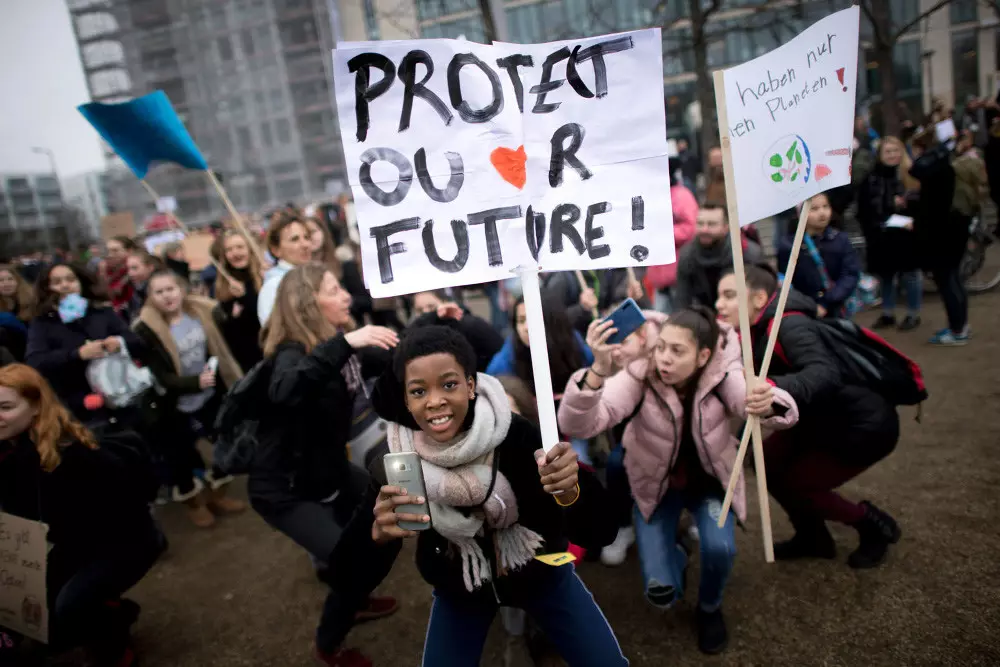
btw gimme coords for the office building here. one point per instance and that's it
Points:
(88, 194)
(250, 79)
(31, 214)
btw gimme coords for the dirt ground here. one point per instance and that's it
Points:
(243, 595)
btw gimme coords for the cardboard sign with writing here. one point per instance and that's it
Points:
(23, 565)
(117, 224)
(468, 161)
(791, 117)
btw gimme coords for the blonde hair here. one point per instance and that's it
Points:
(903, 169)
(327, 253)
(296, 316)
(222, 292)
(53, 427)
(25, 296)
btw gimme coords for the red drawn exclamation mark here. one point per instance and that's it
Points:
(840, 77)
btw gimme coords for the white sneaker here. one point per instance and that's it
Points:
(614, 554)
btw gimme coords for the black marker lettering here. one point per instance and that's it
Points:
(364, 92)
(455, 181)
(461, 233)
(547, 85)
(638, 214)
(639, 253)
(455, 89)
(592, 232)
(385, 249)
(511, 63)
(596, 53)
(534, 230)
(564, 216)
(489, 220)
(399, 161)
(566, 154)
(411, 89)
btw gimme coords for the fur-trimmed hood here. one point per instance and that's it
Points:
(200, 308)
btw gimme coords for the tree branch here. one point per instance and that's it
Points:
(880, 37)
(906, 28)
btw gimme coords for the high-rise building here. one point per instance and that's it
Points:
(249, 78)
(32, 214)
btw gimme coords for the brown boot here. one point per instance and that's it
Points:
(218, 501)
(196, 501)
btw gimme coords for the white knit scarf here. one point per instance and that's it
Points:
(458, 474)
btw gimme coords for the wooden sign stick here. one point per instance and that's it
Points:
(254, 247)
(583, 288)
(736, 241)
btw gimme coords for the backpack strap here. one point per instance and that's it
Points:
(778, 350)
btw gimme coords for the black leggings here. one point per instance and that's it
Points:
(318, 527)
(177, 443)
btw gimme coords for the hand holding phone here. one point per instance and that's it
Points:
(402, 507)
(627, 319)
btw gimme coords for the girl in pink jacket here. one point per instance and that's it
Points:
(680, 450)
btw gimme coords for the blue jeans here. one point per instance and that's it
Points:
(912, 282)
(619, 490)
(664, 560)
(566, 613)
(955, 298)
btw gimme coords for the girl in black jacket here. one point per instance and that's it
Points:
(181, 335)
(238, 297)
(102, 538)
(491, 515)
(73, 328)
(302, 483)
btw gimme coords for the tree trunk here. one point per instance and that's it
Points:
(884, 41)
(703, 81)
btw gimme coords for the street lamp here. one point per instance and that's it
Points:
(55, 172)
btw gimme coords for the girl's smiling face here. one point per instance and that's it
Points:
(438, 393)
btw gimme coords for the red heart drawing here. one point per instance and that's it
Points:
(510, 165)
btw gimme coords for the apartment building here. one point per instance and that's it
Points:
(250, 79)
(31, 214)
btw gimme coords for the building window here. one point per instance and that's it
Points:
(965, 65)
(903, 11)
(248, 49)
(283, 130)
(962, 11)
(245, 139)
(277, 100)
(225, 49)
(289, 189)
(266, 135)
(433, 9)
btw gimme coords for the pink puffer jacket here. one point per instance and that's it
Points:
(651, 438)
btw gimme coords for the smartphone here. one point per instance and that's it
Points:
(404, 470)
(627, 319)
(213, 364)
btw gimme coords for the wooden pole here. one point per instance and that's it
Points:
(240, 224)
(736, 241)
(633, 280)
(584, 287)
(184, 228)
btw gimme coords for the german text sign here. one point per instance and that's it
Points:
(791, 117)
(23, 561)
(469, 161)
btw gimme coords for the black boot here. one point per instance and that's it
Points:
(876, 532)
(712, 634)
(811, 540)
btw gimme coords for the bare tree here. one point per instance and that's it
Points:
(884, 39)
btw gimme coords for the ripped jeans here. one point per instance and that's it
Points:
(664, 560)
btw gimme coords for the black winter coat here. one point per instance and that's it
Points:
(803, 367)
(888, 250)
(312, 408)
(53, 351)
(587, 523)
(940, 235)
(485, 340)
(242, 332)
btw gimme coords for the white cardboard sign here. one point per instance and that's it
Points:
(23, 566)
(791, 117)
(468, 161)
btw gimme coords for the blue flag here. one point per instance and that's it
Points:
(143, 131)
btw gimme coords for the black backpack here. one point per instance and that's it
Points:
(239, 425)
(868, 360)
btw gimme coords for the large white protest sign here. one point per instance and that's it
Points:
(23, 565)
(791, 117)
(469, 161)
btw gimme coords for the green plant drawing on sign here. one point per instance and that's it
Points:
(789, 166)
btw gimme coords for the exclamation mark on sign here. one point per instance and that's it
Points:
(840, 77)
(639, 252)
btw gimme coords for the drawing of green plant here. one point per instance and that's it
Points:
(788, 166)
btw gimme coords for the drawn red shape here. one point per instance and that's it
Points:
(840, 77)
(822, 171)
(510, 165)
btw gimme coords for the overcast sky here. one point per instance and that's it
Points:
(41, 82)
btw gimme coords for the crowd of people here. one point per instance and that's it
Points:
(280, 350)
